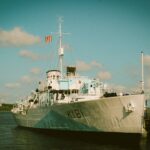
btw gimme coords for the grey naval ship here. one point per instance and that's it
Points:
(77, 103)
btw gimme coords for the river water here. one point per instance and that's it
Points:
(15, 138)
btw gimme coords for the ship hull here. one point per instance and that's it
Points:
(102, 115)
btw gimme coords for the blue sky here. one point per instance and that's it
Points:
(105, 41)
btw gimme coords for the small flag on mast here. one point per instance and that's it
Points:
(48, 39)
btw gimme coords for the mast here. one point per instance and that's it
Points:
(60, 50)
(142, 73)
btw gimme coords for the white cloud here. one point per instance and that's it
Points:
(147, 83)
(34, 56)
(67, 47)
(104, 75)
(17, 37)
(26, 79)
(83, 66)
(29, 54)
(4, 96)
(147, 71)
(35, 70)
(12, 85)
(147, 60)
(96, 64)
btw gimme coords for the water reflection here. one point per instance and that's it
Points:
(15, 138)
(31, 139)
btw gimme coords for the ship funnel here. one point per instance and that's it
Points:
(71, 71)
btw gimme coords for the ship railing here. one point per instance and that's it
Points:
(77, 98)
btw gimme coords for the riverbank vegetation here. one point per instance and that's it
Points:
(6, 107)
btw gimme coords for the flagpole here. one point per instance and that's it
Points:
(142, 73)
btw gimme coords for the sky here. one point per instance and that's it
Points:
(105, 41)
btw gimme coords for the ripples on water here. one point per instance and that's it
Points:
(15, 138)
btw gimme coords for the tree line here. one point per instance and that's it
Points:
(6, 107)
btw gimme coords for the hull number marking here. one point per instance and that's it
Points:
(76, 113)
